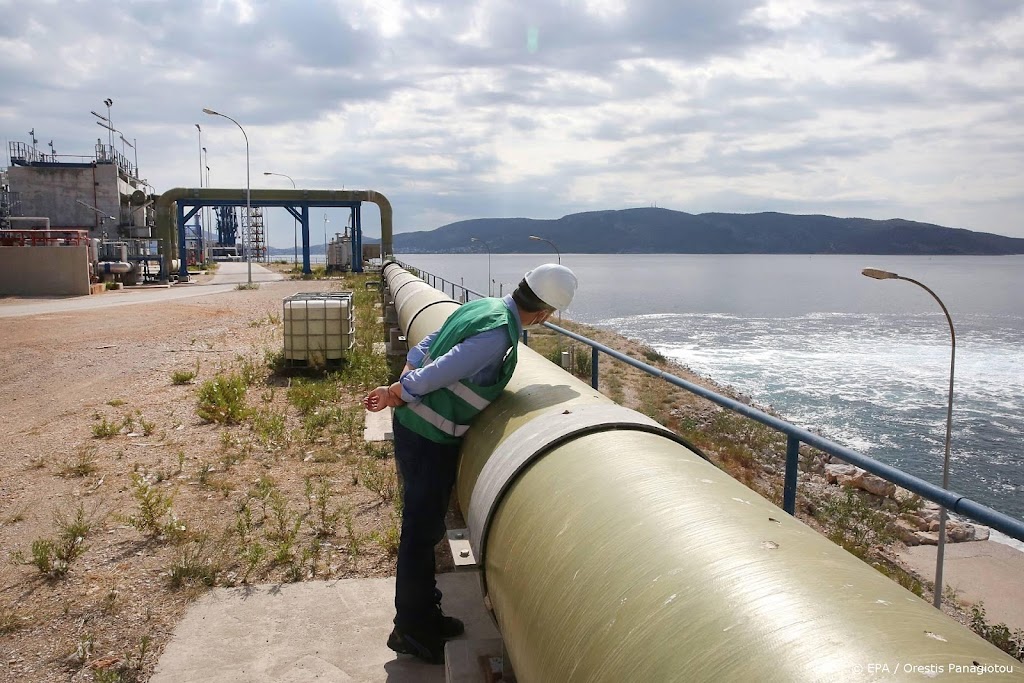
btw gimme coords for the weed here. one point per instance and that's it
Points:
(9, 621)
(248, 370)
(389, 537)
(582, 362)
(269, 427)
(252, 555)
(204, 474)
(314, 423)
(129, 669)
(105, 430)
(16, 516)
(324, 520)
(53, 558)
(222, 399)
(147, 426)
(653, 356)
(354, 539)
(128, 424)
(194, 564)
(379, 477)
(308, 395)
(250, 285)
(180, 377)
(109, 604)
(82, 464)
(153, 505)
(274, 360)
(115, 402)
(1010, 641)
(363, 368)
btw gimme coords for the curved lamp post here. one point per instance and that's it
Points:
(878, 274)
(248, 198)
(325, 241)
(558, 254)
(488, 247)
(295, 223)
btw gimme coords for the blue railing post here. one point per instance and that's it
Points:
(593, 367)
(792, 467)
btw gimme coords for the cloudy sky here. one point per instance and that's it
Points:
(461, 109)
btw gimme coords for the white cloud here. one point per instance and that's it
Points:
(463, 109)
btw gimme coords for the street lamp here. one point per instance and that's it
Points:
(295, 223)
(325, 240)
(248, 197)
(201, 214)
(488, 247)
(878, 274)
(558, 254)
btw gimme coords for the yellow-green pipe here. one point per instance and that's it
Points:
(166, 225)
(621, 555)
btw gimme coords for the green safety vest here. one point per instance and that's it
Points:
(444, 415)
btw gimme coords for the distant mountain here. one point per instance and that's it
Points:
(639, 231)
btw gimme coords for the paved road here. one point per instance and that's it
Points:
(226, 278)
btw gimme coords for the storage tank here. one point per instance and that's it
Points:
(319, 327)
(339, 253)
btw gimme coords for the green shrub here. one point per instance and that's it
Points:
(1000, 635)
(105, 430)
(180, 377)
(222, 399)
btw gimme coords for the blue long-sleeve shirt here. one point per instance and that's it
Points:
(478, 358)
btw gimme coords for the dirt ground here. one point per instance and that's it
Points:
(168, 503)
(168, 498)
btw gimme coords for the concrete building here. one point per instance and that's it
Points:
(101, 192)
(69, 223)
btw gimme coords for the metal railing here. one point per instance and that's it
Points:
(952, 501)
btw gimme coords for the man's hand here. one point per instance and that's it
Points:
(384, 397)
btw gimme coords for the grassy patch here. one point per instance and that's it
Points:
(53, 557)
(81, 464)
(180, 377)
(104, 429)
(222, 399)
(1010, 641)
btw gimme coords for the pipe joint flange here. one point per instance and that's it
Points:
(534, 440)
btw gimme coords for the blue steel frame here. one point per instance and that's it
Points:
(951, 500)
(298, 209)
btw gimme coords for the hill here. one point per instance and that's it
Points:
(651, 230)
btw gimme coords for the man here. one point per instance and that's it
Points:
(449, 377)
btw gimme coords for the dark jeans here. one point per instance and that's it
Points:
(428, 474)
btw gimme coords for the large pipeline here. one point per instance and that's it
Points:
(611, 552)
(166, 224)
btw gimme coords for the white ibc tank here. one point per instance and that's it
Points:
(318, 327)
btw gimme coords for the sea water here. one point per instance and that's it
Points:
(864, 362)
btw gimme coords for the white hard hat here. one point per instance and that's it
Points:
(553, 284)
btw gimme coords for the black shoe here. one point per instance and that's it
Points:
(449, 627)
(425, 646)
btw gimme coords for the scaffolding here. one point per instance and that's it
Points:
(257, 247)
(10, 204)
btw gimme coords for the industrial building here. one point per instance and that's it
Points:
(88, 217)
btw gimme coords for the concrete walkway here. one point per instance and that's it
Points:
(228, 276)
(325, 631)
(978, 571)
